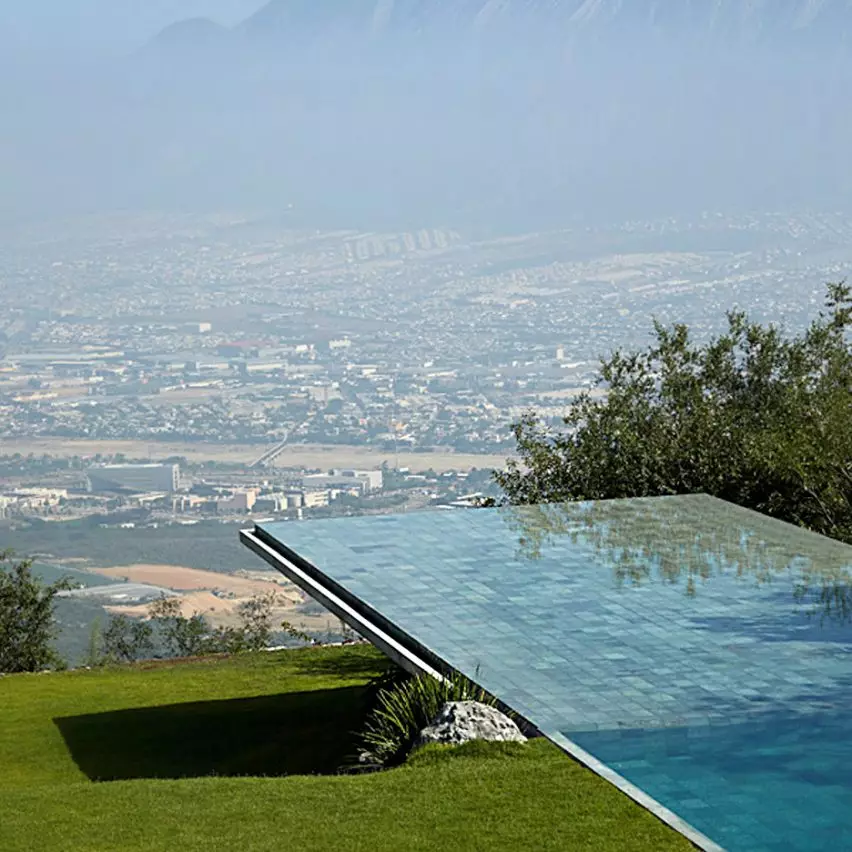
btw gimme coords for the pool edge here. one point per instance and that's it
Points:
(637, 794)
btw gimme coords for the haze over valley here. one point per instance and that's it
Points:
(414, 114)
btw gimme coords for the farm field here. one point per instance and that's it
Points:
(309, 456)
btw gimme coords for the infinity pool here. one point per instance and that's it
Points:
(701, 651)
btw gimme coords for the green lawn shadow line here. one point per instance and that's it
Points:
(300, 733)
(363, 662)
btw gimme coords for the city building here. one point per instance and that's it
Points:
(295, 499)
(374, 479)
(271, 503)
(362, 481)
(315, 499)
(6, 503)
(239, 501)
(31, 501)
(123, 478)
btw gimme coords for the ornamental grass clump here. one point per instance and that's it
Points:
(404, 709)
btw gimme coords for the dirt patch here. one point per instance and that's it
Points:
(217, 596)
(223, 613)
(193, 579)
(205, 603)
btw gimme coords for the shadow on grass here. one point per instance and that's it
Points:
(300, 733)
(361, 661)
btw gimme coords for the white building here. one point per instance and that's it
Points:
(316, 499)
(373, 479)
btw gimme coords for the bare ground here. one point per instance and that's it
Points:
(217, 596)
(193, 579)
(321, 456)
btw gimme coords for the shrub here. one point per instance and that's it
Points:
(194, 636)
(255, 617)
(27, 623)
(184, 637)
(402, 710)
(125, 640)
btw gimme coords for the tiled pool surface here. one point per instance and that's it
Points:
(775, 784)
(702, 651)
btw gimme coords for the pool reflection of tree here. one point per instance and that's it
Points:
(689, 539)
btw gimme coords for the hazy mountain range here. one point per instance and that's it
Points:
(747, 21)
(31, 28)
(506, 112)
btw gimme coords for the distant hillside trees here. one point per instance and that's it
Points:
(755, 416)
(124, 640)
(168, 633)
(27, 624)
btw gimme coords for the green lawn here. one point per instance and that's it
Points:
(185, 748)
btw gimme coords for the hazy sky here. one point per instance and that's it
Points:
(41, 24)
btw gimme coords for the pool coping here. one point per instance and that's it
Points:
(414, 658)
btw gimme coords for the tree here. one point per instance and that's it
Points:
(184, 637)
(126, 640)
(94, 655)
(193, 636)
(753, 417)
(253, 633)
(27, 623)
(255, 616)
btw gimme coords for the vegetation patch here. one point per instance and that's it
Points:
(404, 708)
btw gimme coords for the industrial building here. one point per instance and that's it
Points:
(362, 481)
(134, 478)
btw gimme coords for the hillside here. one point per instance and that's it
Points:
(198, 756)
(196, 30)
(731, 20)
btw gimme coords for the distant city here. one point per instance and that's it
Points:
(139, 332)
(166, 378)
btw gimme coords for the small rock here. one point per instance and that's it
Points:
(366, 763)
(462, 721)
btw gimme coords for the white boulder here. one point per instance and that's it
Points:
(462, 721)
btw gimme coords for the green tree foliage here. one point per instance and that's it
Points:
(295, 633)
(168, 632)
(192, 636)
(27, 623)
(255, 615)
(753, 417)
(252, 633)
(94, 655)
(184, 637)
(126, 639)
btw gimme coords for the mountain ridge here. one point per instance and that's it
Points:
(825, 21)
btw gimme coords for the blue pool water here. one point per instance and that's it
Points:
(701, 651)
(778, 784)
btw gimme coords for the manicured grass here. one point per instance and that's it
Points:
(181, 736)
(264, 714)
